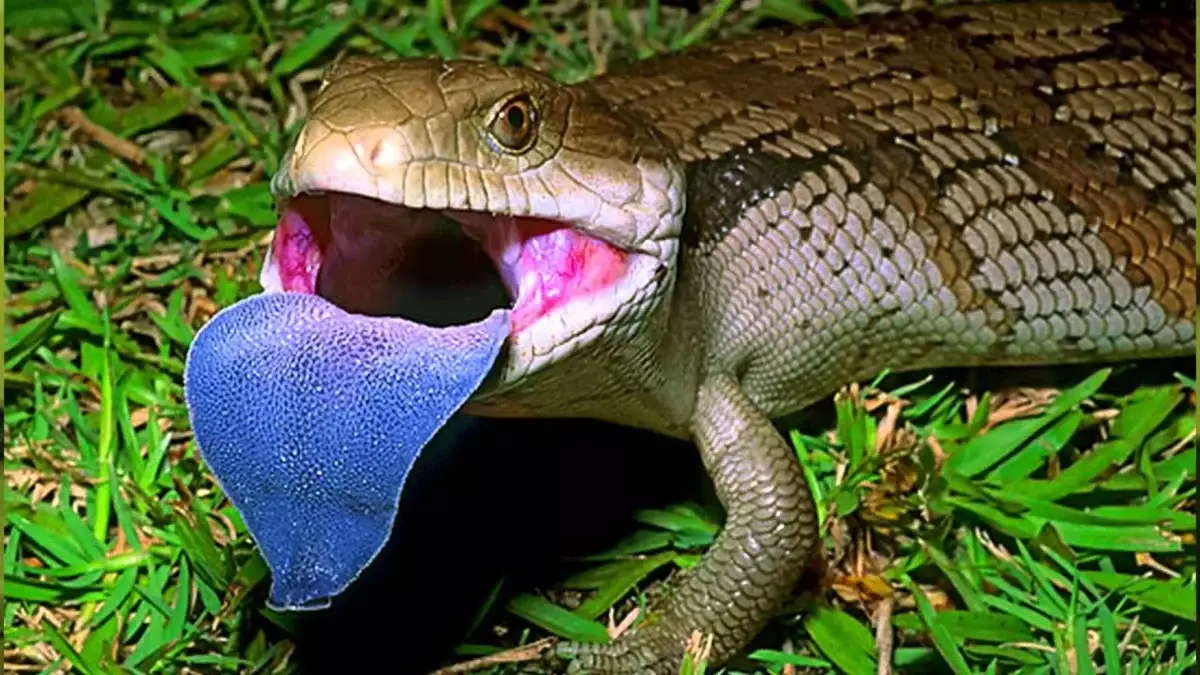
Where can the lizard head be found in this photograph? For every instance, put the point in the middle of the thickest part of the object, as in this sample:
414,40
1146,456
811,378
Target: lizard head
415,177
411,184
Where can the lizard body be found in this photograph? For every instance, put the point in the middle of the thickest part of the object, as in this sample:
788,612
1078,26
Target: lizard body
787,212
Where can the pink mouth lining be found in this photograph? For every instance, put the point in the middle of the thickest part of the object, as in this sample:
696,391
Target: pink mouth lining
297,253
543,263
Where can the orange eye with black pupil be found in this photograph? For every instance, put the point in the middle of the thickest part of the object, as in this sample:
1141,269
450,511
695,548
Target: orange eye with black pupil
515,125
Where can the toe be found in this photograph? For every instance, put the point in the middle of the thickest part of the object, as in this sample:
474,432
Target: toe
624,657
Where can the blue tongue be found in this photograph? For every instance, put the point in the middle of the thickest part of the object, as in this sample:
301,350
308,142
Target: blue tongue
310,418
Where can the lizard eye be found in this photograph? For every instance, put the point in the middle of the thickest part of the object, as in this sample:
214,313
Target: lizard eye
514,126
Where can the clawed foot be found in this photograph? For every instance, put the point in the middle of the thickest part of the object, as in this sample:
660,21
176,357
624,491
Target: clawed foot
769,535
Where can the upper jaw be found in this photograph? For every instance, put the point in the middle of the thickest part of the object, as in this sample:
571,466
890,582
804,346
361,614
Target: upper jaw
377,162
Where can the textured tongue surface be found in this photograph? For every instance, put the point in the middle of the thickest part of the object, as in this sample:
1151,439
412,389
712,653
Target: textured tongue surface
310,418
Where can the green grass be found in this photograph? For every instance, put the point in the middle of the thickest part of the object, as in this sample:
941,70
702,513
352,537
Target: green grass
999,534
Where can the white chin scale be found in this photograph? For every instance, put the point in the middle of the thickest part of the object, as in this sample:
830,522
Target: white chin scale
269,277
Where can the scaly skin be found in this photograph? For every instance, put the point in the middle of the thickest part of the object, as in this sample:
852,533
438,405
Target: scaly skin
986,185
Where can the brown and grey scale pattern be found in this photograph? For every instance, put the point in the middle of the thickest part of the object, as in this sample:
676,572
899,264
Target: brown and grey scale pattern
985,184
991,184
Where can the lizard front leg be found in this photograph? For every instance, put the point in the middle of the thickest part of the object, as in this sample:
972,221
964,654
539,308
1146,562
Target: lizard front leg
770,531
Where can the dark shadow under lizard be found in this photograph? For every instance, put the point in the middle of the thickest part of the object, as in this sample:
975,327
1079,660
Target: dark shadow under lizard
514,498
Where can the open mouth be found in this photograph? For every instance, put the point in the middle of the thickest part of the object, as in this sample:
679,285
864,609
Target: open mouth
435,267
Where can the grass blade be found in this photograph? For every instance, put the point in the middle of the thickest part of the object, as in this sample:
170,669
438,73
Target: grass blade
561,622
943,640
843,640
